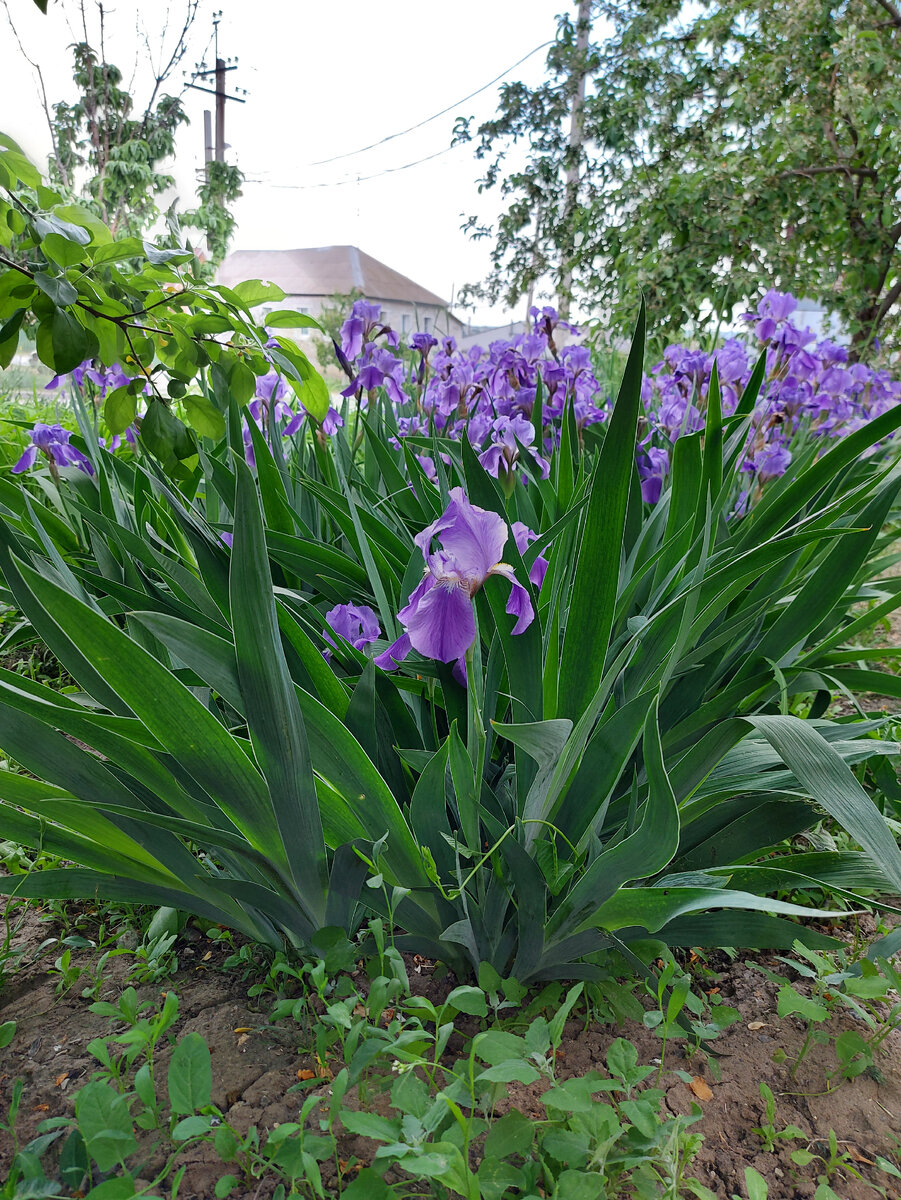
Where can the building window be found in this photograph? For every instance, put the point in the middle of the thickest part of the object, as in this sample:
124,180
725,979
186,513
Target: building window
306,331
405,323
427,324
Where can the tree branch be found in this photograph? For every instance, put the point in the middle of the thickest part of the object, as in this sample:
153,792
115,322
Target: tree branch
178,53
125,322
893,11
890,298
837,169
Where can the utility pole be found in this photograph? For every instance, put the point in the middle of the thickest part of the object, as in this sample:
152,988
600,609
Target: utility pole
571,187
215,152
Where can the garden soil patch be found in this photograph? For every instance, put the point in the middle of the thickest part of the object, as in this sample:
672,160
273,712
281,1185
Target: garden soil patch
255,1063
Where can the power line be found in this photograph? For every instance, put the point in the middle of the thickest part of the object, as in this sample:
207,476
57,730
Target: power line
402,132
303,187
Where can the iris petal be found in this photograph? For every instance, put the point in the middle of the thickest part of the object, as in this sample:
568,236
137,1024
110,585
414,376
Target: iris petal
441,624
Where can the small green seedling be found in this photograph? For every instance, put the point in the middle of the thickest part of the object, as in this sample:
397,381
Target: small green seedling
767,1131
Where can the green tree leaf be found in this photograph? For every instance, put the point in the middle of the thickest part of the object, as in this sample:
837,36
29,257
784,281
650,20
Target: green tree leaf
204,417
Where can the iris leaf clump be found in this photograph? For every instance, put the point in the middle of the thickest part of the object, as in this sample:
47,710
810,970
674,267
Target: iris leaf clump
523,705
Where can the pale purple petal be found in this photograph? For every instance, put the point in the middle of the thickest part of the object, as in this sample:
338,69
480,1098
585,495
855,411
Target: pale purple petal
440,621
356,623
492,459
473,536
523,536
26,461
519,605
542,463
293,425
396,653
352,337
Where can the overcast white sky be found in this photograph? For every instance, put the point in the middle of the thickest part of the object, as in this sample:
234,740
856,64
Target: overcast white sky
324,77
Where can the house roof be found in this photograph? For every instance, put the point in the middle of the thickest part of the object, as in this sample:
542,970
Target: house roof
325,271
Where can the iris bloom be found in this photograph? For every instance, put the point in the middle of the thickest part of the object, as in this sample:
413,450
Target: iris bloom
524,536
438,620
653,467
356,623
501,457
106,379
53,442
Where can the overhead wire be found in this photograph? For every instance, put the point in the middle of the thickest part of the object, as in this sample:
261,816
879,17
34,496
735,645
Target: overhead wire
302,187
434,117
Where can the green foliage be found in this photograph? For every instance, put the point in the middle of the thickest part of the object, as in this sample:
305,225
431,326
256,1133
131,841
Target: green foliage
611,781
868,987
141,305
728,148
108,153
636,809
219,190
443,1126
769,1132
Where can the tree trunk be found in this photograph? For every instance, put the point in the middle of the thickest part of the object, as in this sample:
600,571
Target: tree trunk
571,192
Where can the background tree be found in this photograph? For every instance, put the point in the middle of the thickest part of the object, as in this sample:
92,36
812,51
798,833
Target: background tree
729,147
109,151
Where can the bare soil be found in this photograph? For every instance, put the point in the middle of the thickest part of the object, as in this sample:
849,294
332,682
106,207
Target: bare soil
255,1063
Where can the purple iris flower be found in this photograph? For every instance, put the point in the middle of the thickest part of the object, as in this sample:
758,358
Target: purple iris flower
677,417
53,442
769,462
503,453
359,329
587,413
352,337
732,361
331,421
380,368
653,467
356,623
271,387
774,309
270,405
76,375
105,379
524,536
438,620
778,305
276,411
423,342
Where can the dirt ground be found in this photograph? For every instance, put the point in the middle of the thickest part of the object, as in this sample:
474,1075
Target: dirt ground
255,1063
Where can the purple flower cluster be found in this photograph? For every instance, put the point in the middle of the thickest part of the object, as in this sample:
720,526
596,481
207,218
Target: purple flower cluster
105,379
487,396
52,441
275,416
809,387
367,363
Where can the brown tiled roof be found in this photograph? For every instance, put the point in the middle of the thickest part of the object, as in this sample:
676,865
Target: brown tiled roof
325,271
